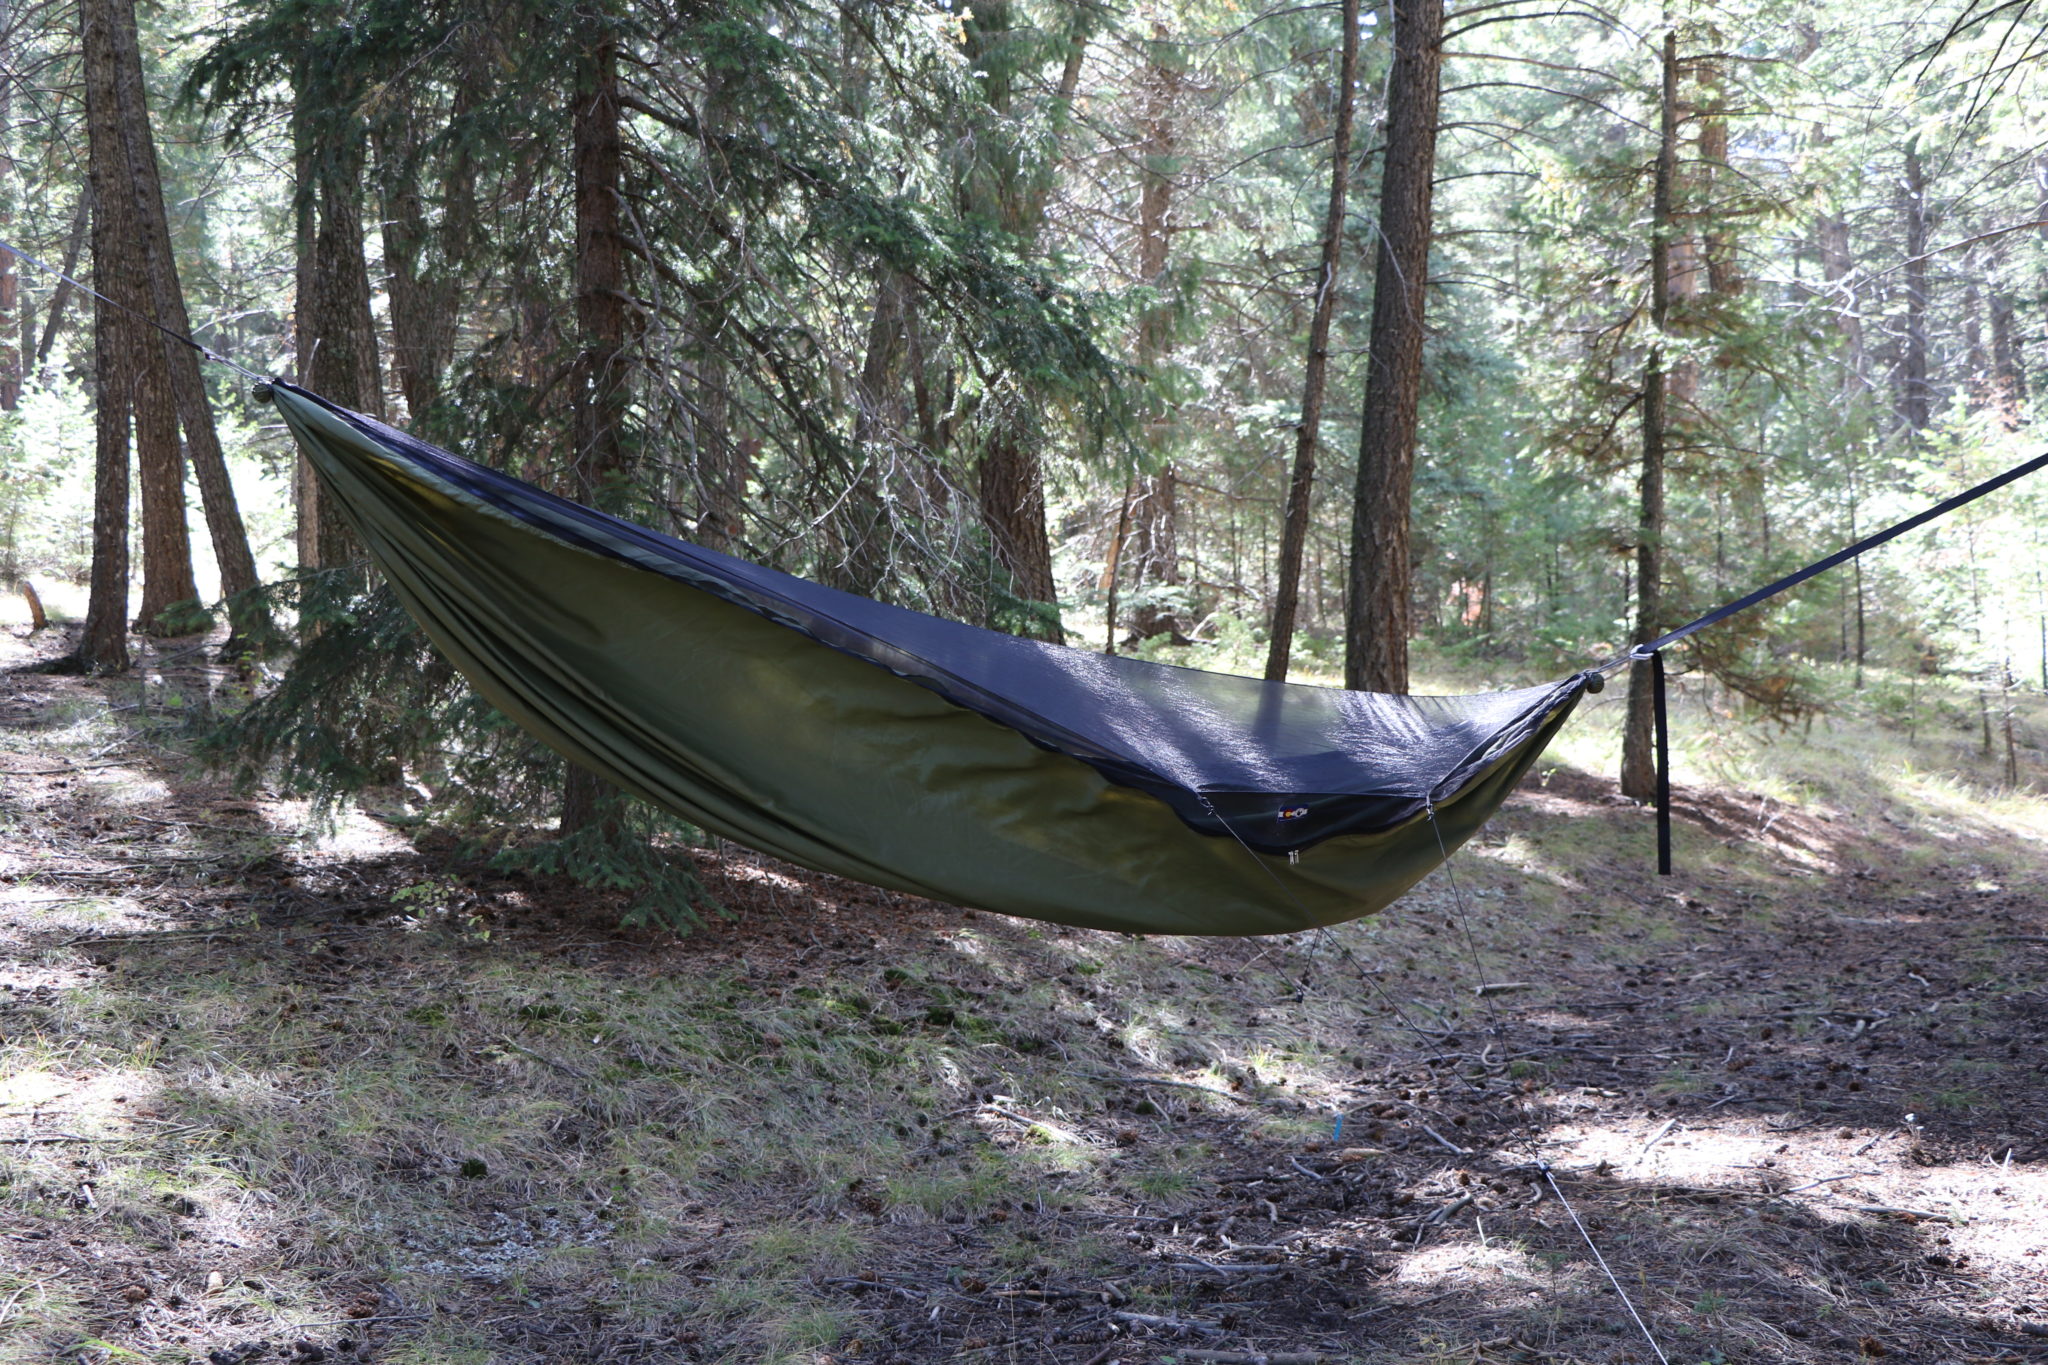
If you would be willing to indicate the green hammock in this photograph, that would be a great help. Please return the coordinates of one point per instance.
(908, 752)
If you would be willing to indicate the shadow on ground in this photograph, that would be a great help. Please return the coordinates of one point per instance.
(272, 1099)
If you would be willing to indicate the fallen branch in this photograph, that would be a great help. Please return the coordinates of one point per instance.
(1447, 1144)
(1201, 1326)
(1829, 1180)
(1257, 1357)
(1656, 1138)
(546, 1060)
(1197, 1263)
(1904, 1213)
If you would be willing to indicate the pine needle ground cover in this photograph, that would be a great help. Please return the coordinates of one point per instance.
(268, 1094)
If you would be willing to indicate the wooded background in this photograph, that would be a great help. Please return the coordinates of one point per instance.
(1317, 333)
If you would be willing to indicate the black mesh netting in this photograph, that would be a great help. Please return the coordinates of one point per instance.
(1277, 766)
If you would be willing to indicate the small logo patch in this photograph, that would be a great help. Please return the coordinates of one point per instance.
(1293, 812)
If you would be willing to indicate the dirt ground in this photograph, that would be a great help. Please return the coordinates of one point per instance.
(274, 1093)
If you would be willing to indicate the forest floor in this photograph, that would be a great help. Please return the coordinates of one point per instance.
(269, 1093)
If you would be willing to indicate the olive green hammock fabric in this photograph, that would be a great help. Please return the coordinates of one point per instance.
(894, 748)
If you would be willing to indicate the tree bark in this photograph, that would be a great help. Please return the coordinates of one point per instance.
(1638, 741)
(1008, 194)
(1916, 402)
(599, 391)
(336, 340)
(1378, 607)
(421, 289)
(1011, 485)
(160, 464)
(2008, 364)
(863, 523)
(1837, 262)
(13, 350)
(194, 411)
(103, 647)
(1301, 481)
(166, 537)
(719, 462)
(1153, 545)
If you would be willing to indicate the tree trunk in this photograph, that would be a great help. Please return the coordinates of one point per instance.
(160, 462)
(103, 647)
(599, 391)
(336, 339)
(187, 385)
(13, 351)
(1154, 515)
(424, 304)
(166, 538)
(1011, 485)
(74, 243)
(719, 462)
(863, 523)
(1837, 263)
(1301, 482)
(1638, 741)
(1916, 402)
(2008, 364)
(1007, 193)
(1378, 607)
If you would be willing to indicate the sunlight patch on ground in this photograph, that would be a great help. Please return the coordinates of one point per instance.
(352, 834)
(1994, 1214)
(753, 872)
(125, 787)
(2008, 1215)
(44, 1099)
(1469, 1265)
(51, 908)
(1518, 853)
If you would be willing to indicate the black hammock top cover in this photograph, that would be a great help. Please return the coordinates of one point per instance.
(913, 752)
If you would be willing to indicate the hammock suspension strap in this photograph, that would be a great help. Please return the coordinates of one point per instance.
(1652, 652)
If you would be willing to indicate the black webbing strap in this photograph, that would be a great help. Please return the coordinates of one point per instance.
(1843, 556)
(1663, 725)
(1652, 652)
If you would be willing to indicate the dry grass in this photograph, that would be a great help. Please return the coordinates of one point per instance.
(265, 1096)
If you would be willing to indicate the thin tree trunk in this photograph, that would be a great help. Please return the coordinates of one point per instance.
(1638, 747)
(1856, 569)
(1836, 264)
(1112, 562)
(188, 387)
(2008, 364)
(1154, 515)
(1011, 485)
(720, 465)
(103, 647)
(12, 349)
(1301, 482)
(74, 244)
(599, 393)
(1916, 405)
(1378, 609)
